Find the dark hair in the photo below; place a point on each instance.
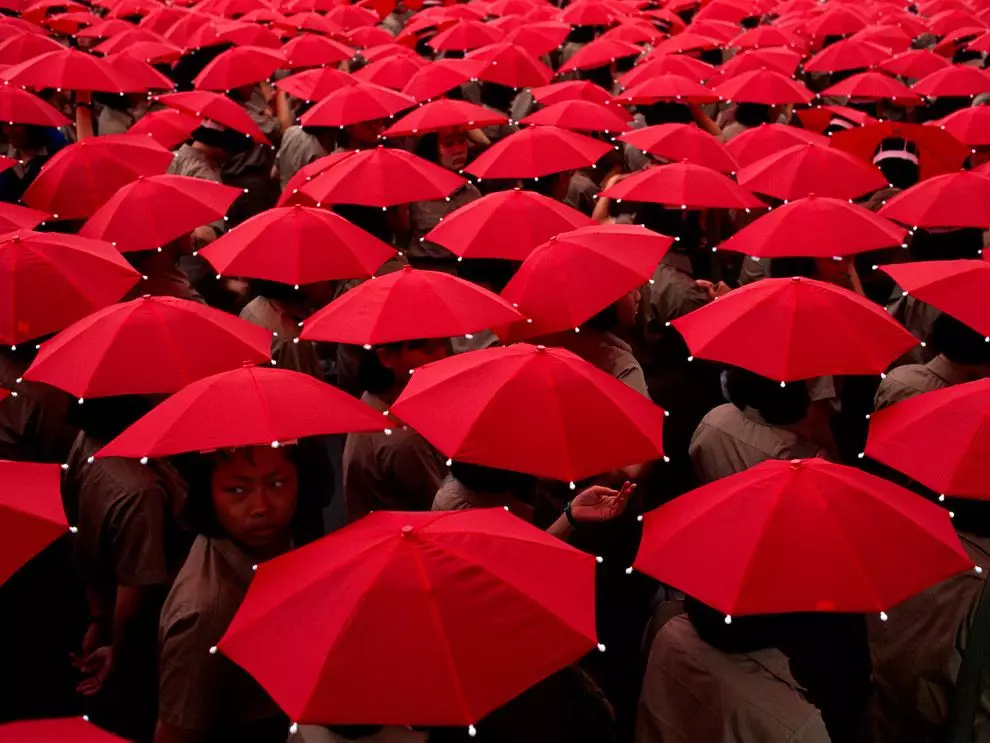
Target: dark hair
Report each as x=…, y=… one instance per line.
x=785, y=268
x=946, y=246
x=779, y=406
x=494, y=273
x=105, y=418
x=274, y=290
x=428, y=147
x=373, y=376
x=665, y=112
x=582, y=34
x=600, y=76
x=369, y=218
x=606, y=320
x=492, y=480
x=545, y=185
x=959, y=342
x=899, y=172
x=198, y=512
x=753, y=114
x=497, y=96
x=225, y=139
x=685, y=224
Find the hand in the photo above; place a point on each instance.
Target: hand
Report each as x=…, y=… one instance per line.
x=203, y=236
x=599, y=503
x=707, y=287
x=721, y=289
x=617, y=178
x=97, y=667
x=92, y=638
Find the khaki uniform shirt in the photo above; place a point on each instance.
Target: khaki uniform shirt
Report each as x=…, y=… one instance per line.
x=284, y=320
x=917, y=653
x=919, y=318
x=297, y=150
x=672, y=293
x=729, y=441
x=397, y=472
x=456, y=496
x=915, y=379
x=581, y=193
x=191, y=162
x=425, y=215
x=198, y=690
x=34, y=425
x=694, y=693
x=165, y=279
x=609, y=353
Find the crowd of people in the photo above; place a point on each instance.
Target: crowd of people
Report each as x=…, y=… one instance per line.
x=363, y=182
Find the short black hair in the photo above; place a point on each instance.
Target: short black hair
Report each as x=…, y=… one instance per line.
x=105, y=418
x=785, y=268
x=959, y=342
x=491, y=480
x=666, y=112
x=779, y=406
x=752, y=114
x=949, y=245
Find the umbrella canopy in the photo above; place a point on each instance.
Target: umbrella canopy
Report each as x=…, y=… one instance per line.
x=575, y=275
x=252, y=406
x=873, y=86
x=58, y=730
x=297, y=245
x=68, y=69
x=84, y=274
x=683, y=185
x=570, y=90
x=938, y=151
x=767, y=139
x=847, y=54
x=806, y=329
x=167, y=127
x=445, y=114
x=242, y=65
x=538, y=151
x=20, y=107
x=958, y=288
x=800, y=536
x=682, y=142
x=954, y=200
x=767, y=36
x=352, y=104
x=914, y=63
x=971, y=126
x=539, y=39
x=815, y=227
x=441, y=76
x=776, y=59
x=80, y=178
x=152, y=345
x=763, y=86
x=31, y=518
x=315, y=85
x=219, y=108
x=582, y=116
x=490, y=606
x=668, y=64
x=25, y=46
x=939, y=438
x=505, y=224
x=382, y=176
x=510, y=65
x=540, y=411
x=601, y=52
x=668, y=87
x=408, y=305
x=953, y=81
x=151, y=212
x=466, y=35
x=14, y=217
x=312, y=50
x=806, y=169
x=391, y=72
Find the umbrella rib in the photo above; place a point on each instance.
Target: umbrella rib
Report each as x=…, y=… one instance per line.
x=756, y=543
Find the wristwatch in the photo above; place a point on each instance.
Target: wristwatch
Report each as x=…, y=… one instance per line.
x=570, y=515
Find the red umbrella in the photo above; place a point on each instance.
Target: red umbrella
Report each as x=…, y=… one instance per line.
x=297, y=245
x=847, y=54
x=219, y=108
x=938, y=439
x=407, y=305
x=311, y=50
x=85, y=275
x=59, y=730
x=588, y=13
x=251, y=406
x=668, y=87
x=582, y=116
x=601, y=52
x=167, y=127
x=954, y=200
x=938, y=151
x=668, y=64
x=575, y=275
x=815, y=227
x=539, y=39
x=152, y=52
x=683, y=185
x=914, y=63
x=807, y=169
x=806, y=329
x=248, y=34
x=763, y=86
x=291, y=194
x=767, y=36
x=489, y=604
x=14, y=217
x=353, y=104
x=800, y=536
x=26, y=46
x=536, y=152
x=682, y=142
x=315, y=85
x=151, y=212
x=68, y=69
x=505, y=224
x=838, y=20
x=391, y=72
x=510, y=65
x=971, y=126
x=570, y=90
x=31, y=518
x=80, y=178
x=382, y=176
x=445, y=113
x=767, y=139
x=242, y=65
x=540, y=411
x=956, y=80
x=775, y=59
x=310, y=21
x=20, y=107
x=127, y=39
x=144, y=76
x=465, y=36
x=873, y=86
x=441, y=76
x=958, y=288
x=688, y=41
x=350, y=17
x=148, y=346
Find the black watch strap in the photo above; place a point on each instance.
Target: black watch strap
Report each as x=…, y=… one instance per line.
x=570, y=516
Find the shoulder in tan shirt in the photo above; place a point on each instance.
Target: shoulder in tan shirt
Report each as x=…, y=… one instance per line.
x=283, y=320
x=911, y=380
